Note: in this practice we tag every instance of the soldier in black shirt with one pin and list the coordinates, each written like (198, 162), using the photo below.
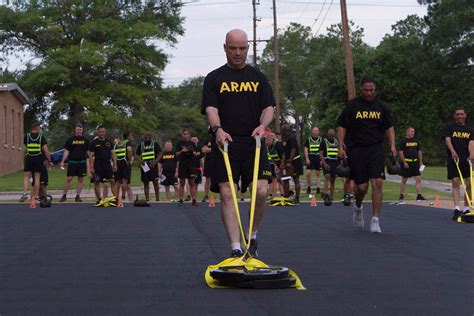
(36, 150)
(168, 167)
(459, 139)
(187, 153)
(123, 150)
(291, 163)
(411, 157)
(102, 162)
(238, 101)
(328, 153)
(75, 149)
(148, 152)
(362, 125)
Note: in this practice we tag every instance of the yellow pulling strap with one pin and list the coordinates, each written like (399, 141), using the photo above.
(246, 260)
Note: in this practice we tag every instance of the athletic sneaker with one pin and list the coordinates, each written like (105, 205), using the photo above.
(188, 198)
(347, 200)
(78, 199)
(374, 225)
(63, 198)
(296, 200)
(23, 198)
(98, 203)
(205, 199)
(456, 213)
(327, 200)
(180, 203)
(358, 217)
(253, 248)
(308, 190)
(194, 203)
(420, 197)
(236, 253)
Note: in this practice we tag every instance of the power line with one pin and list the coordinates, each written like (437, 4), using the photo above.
(360, 4)
(319, 14)
(324, 19)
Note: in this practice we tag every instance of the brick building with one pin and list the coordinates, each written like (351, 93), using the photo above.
(12, 101)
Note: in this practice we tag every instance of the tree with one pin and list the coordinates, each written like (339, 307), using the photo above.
(96, 61)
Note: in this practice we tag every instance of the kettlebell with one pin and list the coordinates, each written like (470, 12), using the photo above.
(343, 170)
(393, 168)
(46, 201)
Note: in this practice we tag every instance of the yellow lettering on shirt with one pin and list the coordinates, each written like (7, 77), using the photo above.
(412, 144)
(372, 115)
(244, 86)
(78, 142)
(224, 87)
(461, 134)
(168, 156)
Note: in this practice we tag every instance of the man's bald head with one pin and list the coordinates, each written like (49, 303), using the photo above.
(315, 132)
(236, 48)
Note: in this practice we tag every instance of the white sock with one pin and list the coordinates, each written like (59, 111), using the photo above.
(375, 218)
(235, 246)
(253, 235)
(457, 208)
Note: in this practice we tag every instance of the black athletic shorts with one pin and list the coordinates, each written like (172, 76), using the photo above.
(150, 175)
(241, 156)
(44, 177)
(297, 167)
(453, 170)
(314, 162)
(207, 168)
(34, 163)
(366, 163)
(333, 165)
(186, 170)
(170, 180)
(413, 169)
(124, 171)
(103, 171)
(76, 168)
(272, 169)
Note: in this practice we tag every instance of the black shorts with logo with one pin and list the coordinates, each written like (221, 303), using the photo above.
(103, 171)
(297, 167)
(332, 165)
(242, 157)
(314, 162)
(76, 168)
(413, 169)
(453, 170)
(170, 179)
(34, 163)
(187, 170)
(124, 171)
(44, 177)
(366, 162)
(150, 175)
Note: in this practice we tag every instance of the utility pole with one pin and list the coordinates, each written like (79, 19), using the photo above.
(347, 51)
(254, 4)
(276, 64)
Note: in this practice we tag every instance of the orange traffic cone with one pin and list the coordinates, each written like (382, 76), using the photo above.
(33, 202)
(313, 201)
(120, 202)
(437, 202)
(212, 202)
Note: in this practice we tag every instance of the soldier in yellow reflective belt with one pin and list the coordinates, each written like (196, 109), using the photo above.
(328, 153)
(35, 147)
(124, 154)
(147, 153)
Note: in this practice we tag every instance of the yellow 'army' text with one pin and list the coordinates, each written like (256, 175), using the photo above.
(461, 134)
(243, 86)
(368, 115)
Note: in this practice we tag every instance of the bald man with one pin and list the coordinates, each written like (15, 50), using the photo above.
(313, 161)
(238, 102)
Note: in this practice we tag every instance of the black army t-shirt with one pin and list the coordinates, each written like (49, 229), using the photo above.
(101, 149)
(169, 162)
(186, 156)
(77, 147)
(289, 143)
(410, 148)
(240, 95)
(460, 135)
(365, 122)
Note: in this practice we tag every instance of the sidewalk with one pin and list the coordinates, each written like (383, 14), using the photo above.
(435, 185)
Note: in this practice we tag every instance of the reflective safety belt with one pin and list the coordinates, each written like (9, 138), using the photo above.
(148, 154)
(120, 150)
(411, 159)
(33, 146)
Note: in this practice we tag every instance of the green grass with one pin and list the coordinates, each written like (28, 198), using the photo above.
(13, 182)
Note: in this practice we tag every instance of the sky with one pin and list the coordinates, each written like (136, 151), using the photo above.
(200, 50)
